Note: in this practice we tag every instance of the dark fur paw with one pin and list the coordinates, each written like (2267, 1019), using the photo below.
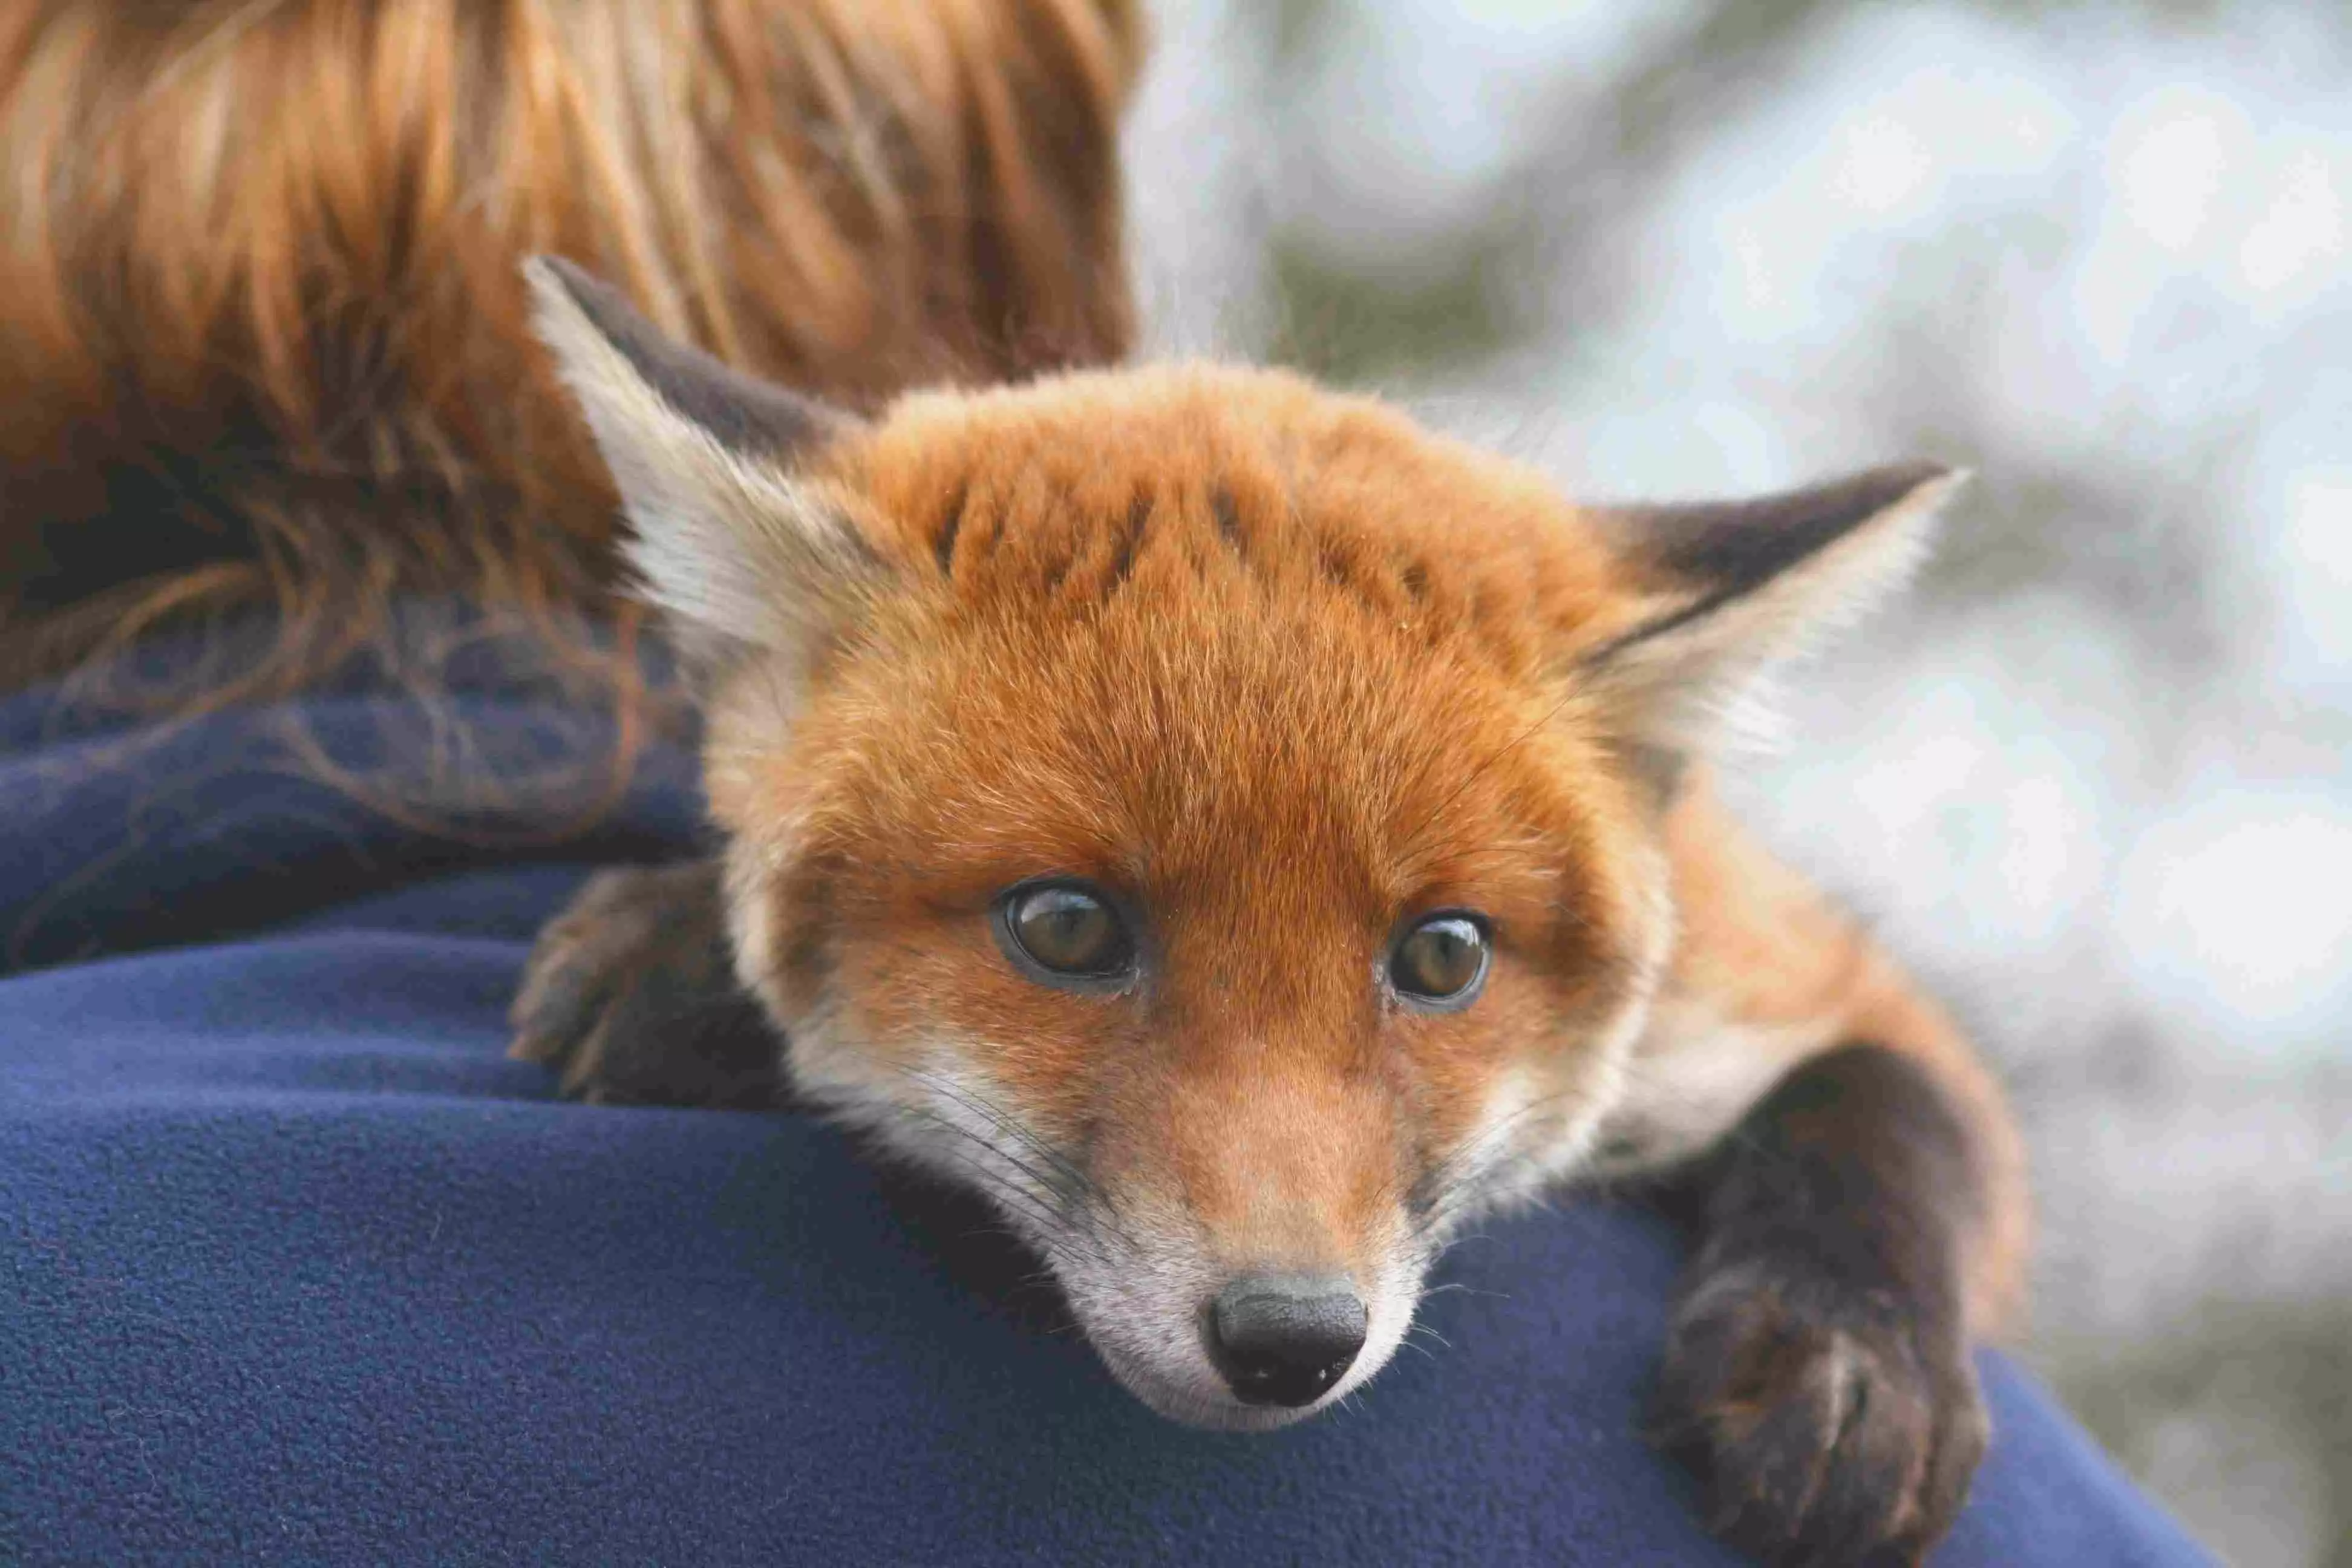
(630, 995)
(1824, 1427)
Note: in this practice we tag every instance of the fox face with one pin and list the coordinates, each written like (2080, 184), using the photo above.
(1140, 866)
(1217, 819)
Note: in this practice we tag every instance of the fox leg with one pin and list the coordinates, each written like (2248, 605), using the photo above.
(1817, 1375)
(631, 996)
(1858, 1197)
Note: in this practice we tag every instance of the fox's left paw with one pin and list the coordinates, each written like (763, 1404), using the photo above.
(1825, 1427)
(630, 995)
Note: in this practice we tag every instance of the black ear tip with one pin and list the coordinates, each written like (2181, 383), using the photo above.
(545, 269)
(1829, 511)
(601, 302)
(1917, 474)
(1881, 490)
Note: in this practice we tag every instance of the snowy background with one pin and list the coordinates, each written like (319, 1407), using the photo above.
(2095, 780)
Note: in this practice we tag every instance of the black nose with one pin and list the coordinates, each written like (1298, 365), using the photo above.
(1285, 1340)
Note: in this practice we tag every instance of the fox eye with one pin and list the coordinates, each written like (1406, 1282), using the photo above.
(1065, 933)
(1441, 962)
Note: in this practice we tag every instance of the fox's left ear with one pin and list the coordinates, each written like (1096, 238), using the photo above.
(726, 536)
(1727, 591)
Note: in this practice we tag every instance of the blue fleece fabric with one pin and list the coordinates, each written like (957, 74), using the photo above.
(299, 1268)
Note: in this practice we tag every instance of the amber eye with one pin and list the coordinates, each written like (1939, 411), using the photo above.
(1065, 932)
(1441, 962)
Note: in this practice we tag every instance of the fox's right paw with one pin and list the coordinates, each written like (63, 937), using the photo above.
(631, 996)
(1824, 1428)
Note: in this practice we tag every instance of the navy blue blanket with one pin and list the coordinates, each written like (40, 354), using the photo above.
(298, 1267)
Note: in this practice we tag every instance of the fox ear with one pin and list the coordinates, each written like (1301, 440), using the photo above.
(725, 539)
(1729, 590)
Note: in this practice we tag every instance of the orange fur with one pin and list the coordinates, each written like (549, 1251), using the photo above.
(1284, 688)
(1282, 669)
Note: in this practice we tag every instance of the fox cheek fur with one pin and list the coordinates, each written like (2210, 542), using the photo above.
(1255, 687)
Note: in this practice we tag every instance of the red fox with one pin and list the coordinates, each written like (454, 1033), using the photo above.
(1246, 836)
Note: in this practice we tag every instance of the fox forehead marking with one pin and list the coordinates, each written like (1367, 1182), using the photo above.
(1056, 496)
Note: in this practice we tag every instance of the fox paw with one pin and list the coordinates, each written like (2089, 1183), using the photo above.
(1824, 1427)
(629, 994)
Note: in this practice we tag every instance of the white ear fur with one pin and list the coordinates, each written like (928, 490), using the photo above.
(1733, 591)
(724, 538)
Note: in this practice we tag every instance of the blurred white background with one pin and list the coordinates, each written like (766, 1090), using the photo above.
(2094, 779)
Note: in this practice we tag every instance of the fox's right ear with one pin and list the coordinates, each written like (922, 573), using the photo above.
(726, 538)
(1723, 592)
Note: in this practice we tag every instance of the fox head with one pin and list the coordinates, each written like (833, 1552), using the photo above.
(1217, 819)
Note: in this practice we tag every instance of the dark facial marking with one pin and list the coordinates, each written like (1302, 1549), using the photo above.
(943, 546)
(1229, 520)
(1139, 520)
